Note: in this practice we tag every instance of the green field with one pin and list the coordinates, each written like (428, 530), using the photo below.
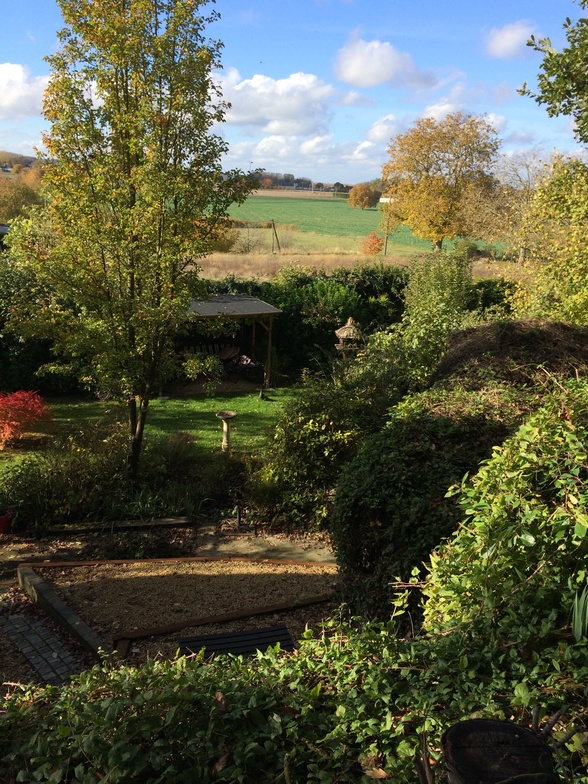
(328, 217)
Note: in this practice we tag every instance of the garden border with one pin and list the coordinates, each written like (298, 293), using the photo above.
(46, 597)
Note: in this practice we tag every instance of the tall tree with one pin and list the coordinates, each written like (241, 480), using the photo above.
(429, 170)
(561, 82)
(364, 196)
(496, 209)
(135, 191)
(556, 285)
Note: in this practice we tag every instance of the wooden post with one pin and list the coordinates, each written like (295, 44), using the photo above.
(268, 362)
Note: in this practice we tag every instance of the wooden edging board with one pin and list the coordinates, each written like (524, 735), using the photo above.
(123, 639)
(195, 558)
(42, 594)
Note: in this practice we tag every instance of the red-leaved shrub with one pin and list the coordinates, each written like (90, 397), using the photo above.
(18, 411)
(373, 244)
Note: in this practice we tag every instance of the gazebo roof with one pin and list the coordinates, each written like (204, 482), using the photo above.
(231, 306)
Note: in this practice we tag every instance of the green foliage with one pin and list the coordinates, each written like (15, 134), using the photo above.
(520, 553)
(490, 295)
(83, 478)
(579, 620)
(313, 304)
(555, 285)
(210, 367)
(22, 361)
(561, 84)
(466, 247)
(390, 507)
(331, 419)
(435, 302)
(314, 434)
(348, 707)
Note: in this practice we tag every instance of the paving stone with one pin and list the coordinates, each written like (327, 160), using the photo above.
(42, 648)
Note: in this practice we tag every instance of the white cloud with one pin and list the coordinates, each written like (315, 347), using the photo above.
(369, 63)
(355, 99)
(461, 97)
(319, 145)
(441, 108)
(21, 95)
(521, 137)
(383, 130)
(361, 153)
(296, 105)
(509, 42)
(497, 121)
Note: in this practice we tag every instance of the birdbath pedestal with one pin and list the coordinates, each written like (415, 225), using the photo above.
(225, 417)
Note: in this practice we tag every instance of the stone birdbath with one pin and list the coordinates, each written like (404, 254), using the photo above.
(225, 417)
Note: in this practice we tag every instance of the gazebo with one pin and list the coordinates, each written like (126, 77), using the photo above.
(240, 307)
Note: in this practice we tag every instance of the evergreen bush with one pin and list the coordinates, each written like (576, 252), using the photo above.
(521, 552)
(390, 506)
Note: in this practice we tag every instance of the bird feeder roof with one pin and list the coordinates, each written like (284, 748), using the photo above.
(349, 331)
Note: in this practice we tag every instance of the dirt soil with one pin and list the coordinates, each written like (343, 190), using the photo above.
(112, 599)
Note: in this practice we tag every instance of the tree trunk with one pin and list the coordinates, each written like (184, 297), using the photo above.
(137, 418)
(438, 246)
(522, 255)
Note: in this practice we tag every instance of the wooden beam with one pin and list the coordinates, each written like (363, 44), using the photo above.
(249, 612)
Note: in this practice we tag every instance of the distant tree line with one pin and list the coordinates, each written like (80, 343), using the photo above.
(278, 180)
(10, 159)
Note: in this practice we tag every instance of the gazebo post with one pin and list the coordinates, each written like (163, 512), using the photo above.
(268, 361)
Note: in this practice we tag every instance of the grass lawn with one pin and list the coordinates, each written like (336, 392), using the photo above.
(250, 430)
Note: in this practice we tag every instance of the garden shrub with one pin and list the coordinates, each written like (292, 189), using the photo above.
(314, 435)
(466, 247)
(435, 305)
(381, 289)
(390, 506)
(19, 411)
(27, 363)
(313, 304)
(521, 552)
(347, 707)
(373, 244)
(85, 478)
(490, 294)
(321, 429)
(331, 419)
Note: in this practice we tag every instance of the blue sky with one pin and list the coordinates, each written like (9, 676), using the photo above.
(318, 87)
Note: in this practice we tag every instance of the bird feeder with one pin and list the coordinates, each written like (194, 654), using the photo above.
(225, 417)
(350, 338)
